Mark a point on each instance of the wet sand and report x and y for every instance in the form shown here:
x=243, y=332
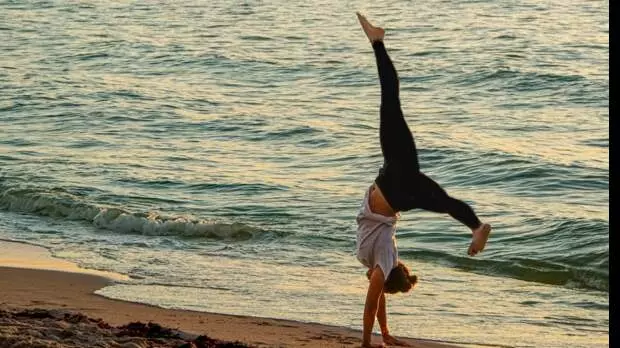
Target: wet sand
x=55, y=307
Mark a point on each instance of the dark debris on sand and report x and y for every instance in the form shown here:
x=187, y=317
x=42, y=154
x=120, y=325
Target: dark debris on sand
x=43, y=328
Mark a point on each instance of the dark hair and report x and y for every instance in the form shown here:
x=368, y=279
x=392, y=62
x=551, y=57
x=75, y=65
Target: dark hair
x=399, y=280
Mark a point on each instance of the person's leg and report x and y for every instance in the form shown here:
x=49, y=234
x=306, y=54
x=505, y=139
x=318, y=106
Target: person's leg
x=431, y=197
x=397, y=142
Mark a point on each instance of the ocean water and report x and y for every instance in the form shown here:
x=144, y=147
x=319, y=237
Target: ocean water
x=217, y=153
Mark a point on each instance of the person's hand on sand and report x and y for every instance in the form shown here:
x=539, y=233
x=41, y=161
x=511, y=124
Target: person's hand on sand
x=370, y=345
x=392, y=341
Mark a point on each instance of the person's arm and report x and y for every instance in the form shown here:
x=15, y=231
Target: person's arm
x=385, y=332
x=382, y=315
x=375, y=289
x=381, y=310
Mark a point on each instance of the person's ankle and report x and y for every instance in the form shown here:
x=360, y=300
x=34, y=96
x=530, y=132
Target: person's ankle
x=478, y=228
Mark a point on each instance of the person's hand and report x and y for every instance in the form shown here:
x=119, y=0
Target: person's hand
x=392, y=341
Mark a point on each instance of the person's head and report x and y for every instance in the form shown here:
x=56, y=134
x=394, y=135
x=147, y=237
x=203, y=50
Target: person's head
x=399, y=280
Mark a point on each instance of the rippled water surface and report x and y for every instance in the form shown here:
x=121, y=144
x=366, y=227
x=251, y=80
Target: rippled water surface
x=217, y=153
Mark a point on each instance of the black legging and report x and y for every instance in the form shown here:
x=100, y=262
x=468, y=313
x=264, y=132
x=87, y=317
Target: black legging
x=400, y=179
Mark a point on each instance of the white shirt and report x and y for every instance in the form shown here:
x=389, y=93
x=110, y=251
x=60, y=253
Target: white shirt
x=376, y=242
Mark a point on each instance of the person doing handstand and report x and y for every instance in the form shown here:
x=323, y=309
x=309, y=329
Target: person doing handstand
x=400, y=186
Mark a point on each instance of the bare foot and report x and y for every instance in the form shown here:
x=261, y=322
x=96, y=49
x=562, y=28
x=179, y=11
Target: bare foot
x=479, y=239
x=373, y=33
x=392, y=341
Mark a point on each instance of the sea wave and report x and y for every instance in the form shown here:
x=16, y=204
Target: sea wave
x=566, y=251
x=518, y=80
x=61, y=204
x=591, y=275
x=512, y=172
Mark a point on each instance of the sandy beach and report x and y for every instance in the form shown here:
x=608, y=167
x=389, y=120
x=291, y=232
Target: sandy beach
x=46, y=302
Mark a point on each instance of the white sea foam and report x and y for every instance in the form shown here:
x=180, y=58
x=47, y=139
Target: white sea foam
x=67, y=206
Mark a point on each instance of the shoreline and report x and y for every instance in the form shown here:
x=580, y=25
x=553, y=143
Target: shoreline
x=47, y=284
